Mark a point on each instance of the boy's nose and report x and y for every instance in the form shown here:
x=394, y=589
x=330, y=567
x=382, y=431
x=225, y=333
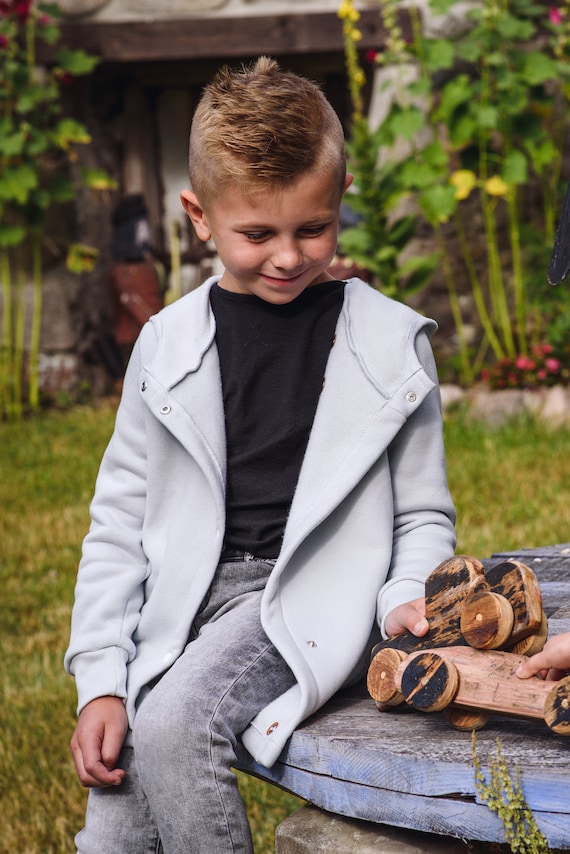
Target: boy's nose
x=287, y=255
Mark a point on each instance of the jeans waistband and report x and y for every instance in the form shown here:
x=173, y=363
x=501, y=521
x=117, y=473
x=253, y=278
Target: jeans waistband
x=231, y=555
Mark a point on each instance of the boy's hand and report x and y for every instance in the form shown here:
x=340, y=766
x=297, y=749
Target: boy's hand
x=97, y=741
x=411, y=616
x=552, y=662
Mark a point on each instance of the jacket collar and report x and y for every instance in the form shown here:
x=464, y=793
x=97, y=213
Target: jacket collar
x=192, y=322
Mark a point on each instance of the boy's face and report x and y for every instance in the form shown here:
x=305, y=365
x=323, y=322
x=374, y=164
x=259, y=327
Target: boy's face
x=276, y=244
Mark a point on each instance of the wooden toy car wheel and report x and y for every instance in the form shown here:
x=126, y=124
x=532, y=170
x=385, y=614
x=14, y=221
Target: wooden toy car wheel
x=381, y=678
x=486, y=620
x=532, y=643
x=557, y=707
x=429, y=682
x=466, y=720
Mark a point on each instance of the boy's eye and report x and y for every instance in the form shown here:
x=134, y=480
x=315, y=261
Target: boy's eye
x=313, y=230
x=255, y=235
x=305, y=231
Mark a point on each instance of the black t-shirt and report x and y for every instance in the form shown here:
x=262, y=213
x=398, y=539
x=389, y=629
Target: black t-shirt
x=272, y=360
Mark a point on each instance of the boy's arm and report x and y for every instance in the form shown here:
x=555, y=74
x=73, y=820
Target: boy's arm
x=110, y=586
x=424, y=515
x=97, y=741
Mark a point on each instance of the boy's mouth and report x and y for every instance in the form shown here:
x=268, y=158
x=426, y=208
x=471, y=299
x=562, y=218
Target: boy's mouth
x=282, y=280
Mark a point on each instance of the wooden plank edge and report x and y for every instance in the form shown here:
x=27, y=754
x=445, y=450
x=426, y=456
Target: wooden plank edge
x=458, y=817
x=544, y=790
x=199, y=38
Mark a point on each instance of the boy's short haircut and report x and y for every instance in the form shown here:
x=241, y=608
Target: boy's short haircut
x=261, y=127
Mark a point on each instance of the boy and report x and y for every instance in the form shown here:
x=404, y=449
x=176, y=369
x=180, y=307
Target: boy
x=275, y=484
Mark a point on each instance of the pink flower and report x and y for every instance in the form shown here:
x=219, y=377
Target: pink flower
x=554, y=16
x=4, y=41
x=552, y=365
x=541, y=375
x=21, y=8
x=371, y=55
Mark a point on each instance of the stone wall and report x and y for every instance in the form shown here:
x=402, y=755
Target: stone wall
x=549, y=405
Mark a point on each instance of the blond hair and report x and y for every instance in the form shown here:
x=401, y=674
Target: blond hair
x=261, y=127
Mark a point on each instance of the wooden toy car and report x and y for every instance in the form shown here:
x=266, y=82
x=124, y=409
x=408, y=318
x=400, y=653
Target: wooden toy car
x=481, y=623
x=469, y=685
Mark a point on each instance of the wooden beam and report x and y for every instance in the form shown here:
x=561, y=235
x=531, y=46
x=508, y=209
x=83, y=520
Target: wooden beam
x=199, y=38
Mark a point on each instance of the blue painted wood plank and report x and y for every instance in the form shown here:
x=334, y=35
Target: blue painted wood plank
x=410, y=752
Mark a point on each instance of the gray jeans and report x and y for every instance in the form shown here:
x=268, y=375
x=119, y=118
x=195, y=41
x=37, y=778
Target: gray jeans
x=180, y=794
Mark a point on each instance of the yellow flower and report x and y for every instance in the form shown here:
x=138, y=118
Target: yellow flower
x=359, y=77
x=463, y=180
x=495, y=186
x=346, y=11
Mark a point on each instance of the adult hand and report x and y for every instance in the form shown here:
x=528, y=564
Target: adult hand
x=97, y=741
x=552, y=662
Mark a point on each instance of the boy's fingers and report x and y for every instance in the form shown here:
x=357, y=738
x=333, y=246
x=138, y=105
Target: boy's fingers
x=111, y=747
x=92, y=772
x=97, y=741
x=408, y=617
x=414, y=618
x=94, y=762
x=420, y=628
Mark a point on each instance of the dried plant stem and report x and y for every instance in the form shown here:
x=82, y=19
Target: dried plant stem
x=34, y=378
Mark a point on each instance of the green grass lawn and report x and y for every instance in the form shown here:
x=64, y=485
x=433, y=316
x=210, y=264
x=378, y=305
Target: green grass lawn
x=510, y=486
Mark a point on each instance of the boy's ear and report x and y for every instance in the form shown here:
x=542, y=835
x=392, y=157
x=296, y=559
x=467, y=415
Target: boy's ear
x=348, y=181
x=196, y=213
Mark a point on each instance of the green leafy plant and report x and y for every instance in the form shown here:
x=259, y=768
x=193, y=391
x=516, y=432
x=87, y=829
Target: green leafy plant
x=482, y=118
x=36, y=142
x=506, y=798
x=377, y=241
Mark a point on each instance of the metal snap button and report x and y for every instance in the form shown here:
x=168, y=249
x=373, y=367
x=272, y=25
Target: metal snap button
x=411, y=397
x=311, y=643
x=143, y=385
x=272, y=728
x=165, y=409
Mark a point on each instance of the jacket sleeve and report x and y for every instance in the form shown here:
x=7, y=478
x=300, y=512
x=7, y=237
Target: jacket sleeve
x=424, y=515
x=113, y=568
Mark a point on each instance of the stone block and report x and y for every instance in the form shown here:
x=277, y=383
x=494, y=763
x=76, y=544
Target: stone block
x=310, y=830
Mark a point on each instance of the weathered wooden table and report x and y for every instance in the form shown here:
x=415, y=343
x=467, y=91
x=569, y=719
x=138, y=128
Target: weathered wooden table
x=413, y=770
